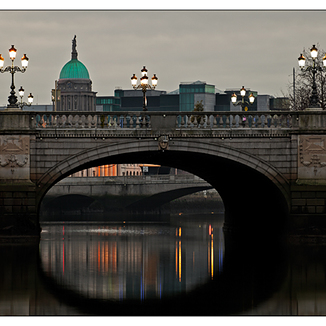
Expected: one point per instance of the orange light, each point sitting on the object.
(212, 258)
(180, 261)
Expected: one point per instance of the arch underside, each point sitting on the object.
(254, 193)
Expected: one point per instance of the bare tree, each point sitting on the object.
(301, 89)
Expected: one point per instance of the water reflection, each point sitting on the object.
(130, 261)
(186, 268)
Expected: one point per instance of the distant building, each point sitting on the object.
(263, 102)
(279, 103)
(191, 93)
(74, 86)
(184, 99)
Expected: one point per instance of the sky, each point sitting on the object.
(227, 48)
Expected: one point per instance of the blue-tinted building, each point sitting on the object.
(185, 98)
(191, 93)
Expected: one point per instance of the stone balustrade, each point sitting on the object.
(169, 120)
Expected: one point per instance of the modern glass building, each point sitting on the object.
(132, 100)
(191, 93)
(185, 98)
(107, 103)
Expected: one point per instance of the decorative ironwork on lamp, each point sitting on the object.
(12, 99)
(313, 101)
(243, 102)
(144, 86)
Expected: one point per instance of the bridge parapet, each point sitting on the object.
(29, 122)
(164, 121)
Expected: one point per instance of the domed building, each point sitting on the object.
(75, 86)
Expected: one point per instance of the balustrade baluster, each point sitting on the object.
(275, 121)
(202, 120)
(53, 120)
(216, 122)
(282, 121)
(149, 121)
(81, 121)
(181, 121)
(177, 124)
(143, 121)
(256, 121)
(124, 121)
(137, 122)
(224, 121)
(109, 121)
(250, 119)
(87, 121)
(187, 121)
(92, 121)
(194, 122)
(231, 118)
(237, 121)
(41, 123)
(210, 121)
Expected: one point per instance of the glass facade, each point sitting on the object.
(187, 96)
(109, 103)
(184, 99)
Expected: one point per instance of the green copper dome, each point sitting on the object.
(74, 69)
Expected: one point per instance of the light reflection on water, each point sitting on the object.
(77, 268)
(132, 261)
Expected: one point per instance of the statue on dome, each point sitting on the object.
(74, 50)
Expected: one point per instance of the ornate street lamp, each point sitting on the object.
(144, 84)
(313, 102)
(30, 97)
(243, 103)
(12, 99)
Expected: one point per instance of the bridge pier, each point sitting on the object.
(19, 219)
(18, 206)
(308, 208)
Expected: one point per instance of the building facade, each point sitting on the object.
(184, 99)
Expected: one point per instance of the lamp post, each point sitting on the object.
(12, 99)
(313, 101)
(243, 103)
(30, 97)
(144, 84)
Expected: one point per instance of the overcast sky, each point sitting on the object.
(229, 49)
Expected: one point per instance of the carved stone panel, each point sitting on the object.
(14, 157)
(312, 157)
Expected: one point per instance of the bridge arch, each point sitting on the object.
(255, 194)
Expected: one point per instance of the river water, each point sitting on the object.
(186, 267)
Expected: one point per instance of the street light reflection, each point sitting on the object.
(133, 261)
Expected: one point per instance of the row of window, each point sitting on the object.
(107, 100)
(131, 173)
(197, 89)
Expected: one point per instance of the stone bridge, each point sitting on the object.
(268, 167)
(146, 192)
